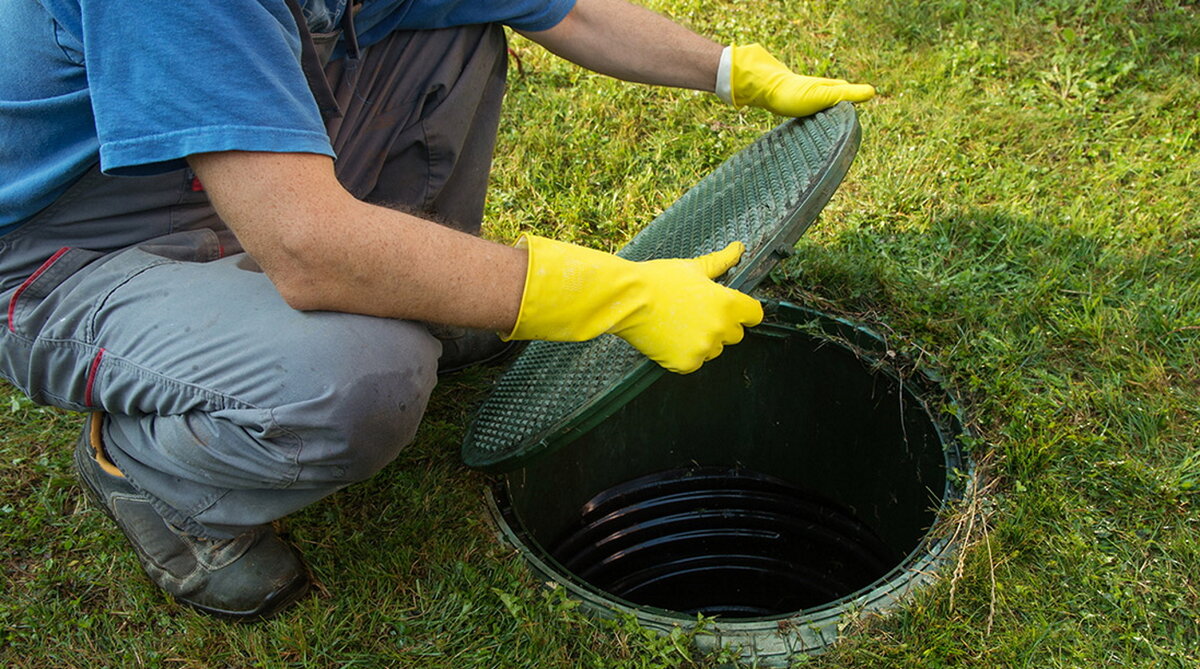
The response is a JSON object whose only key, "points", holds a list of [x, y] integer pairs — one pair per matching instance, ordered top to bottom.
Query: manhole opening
{"points": [[793, 473], [723, 542]]}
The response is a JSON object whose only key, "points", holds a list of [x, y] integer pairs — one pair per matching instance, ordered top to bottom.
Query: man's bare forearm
{"points": [[632, 43], [325, 250]]}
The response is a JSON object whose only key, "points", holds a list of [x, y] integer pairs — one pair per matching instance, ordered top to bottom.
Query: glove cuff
{"points": [[724, 86], [522, 243], [572, 293]]}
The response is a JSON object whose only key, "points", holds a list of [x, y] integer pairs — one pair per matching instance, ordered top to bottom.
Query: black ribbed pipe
{"points": [[721, 541]]}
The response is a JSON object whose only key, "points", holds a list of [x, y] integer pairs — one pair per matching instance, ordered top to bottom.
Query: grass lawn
{"points": [[1024, 214]]}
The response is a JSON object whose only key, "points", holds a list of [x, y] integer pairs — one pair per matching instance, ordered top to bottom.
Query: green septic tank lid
{"points": [[765, 196]]}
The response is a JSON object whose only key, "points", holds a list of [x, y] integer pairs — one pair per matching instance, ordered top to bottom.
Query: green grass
{"points": [[1023, 214]]}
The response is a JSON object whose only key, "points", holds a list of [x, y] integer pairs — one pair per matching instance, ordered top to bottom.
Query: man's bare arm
{"points": [[629, 42], [632, 43], [325, 250]]}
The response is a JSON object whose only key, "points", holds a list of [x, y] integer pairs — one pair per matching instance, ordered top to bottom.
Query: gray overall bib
{"points": [[129, 296]]}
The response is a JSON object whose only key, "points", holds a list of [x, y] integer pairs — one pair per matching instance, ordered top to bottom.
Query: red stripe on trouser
{"points": [[12, 303], [91, 379]]}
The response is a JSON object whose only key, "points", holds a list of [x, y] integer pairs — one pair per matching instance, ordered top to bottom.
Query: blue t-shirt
{"points": [[139, 87]]}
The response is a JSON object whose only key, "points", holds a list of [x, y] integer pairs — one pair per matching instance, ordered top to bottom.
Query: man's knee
{"points": [[365, 404], [370, 424]]}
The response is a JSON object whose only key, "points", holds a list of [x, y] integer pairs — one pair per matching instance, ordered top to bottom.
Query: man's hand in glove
{"points": [[748, 75], [671, 310]]}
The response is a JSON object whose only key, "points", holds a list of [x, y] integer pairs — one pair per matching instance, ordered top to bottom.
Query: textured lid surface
{"points": [[765, 196]]}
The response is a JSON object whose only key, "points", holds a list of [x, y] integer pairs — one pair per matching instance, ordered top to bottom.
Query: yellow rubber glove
{"points": [[757, 79], [671, 310]]}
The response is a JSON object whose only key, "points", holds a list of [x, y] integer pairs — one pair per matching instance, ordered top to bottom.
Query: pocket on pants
{"points": [[27, 310]]}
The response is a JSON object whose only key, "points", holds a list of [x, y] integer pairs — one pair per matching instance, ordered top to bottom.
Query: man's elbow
{"points": [[301, 275], [300, 291], [301, 296]]}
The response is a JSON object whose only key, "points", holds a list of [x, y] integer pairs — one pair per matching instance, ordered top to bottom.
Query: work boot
{"points": [[465, 347], [252, 576]]}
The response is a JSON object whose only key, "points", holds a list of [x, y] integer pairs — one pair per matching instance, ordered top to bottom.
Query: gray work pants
{"points": [[224, 405]]}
